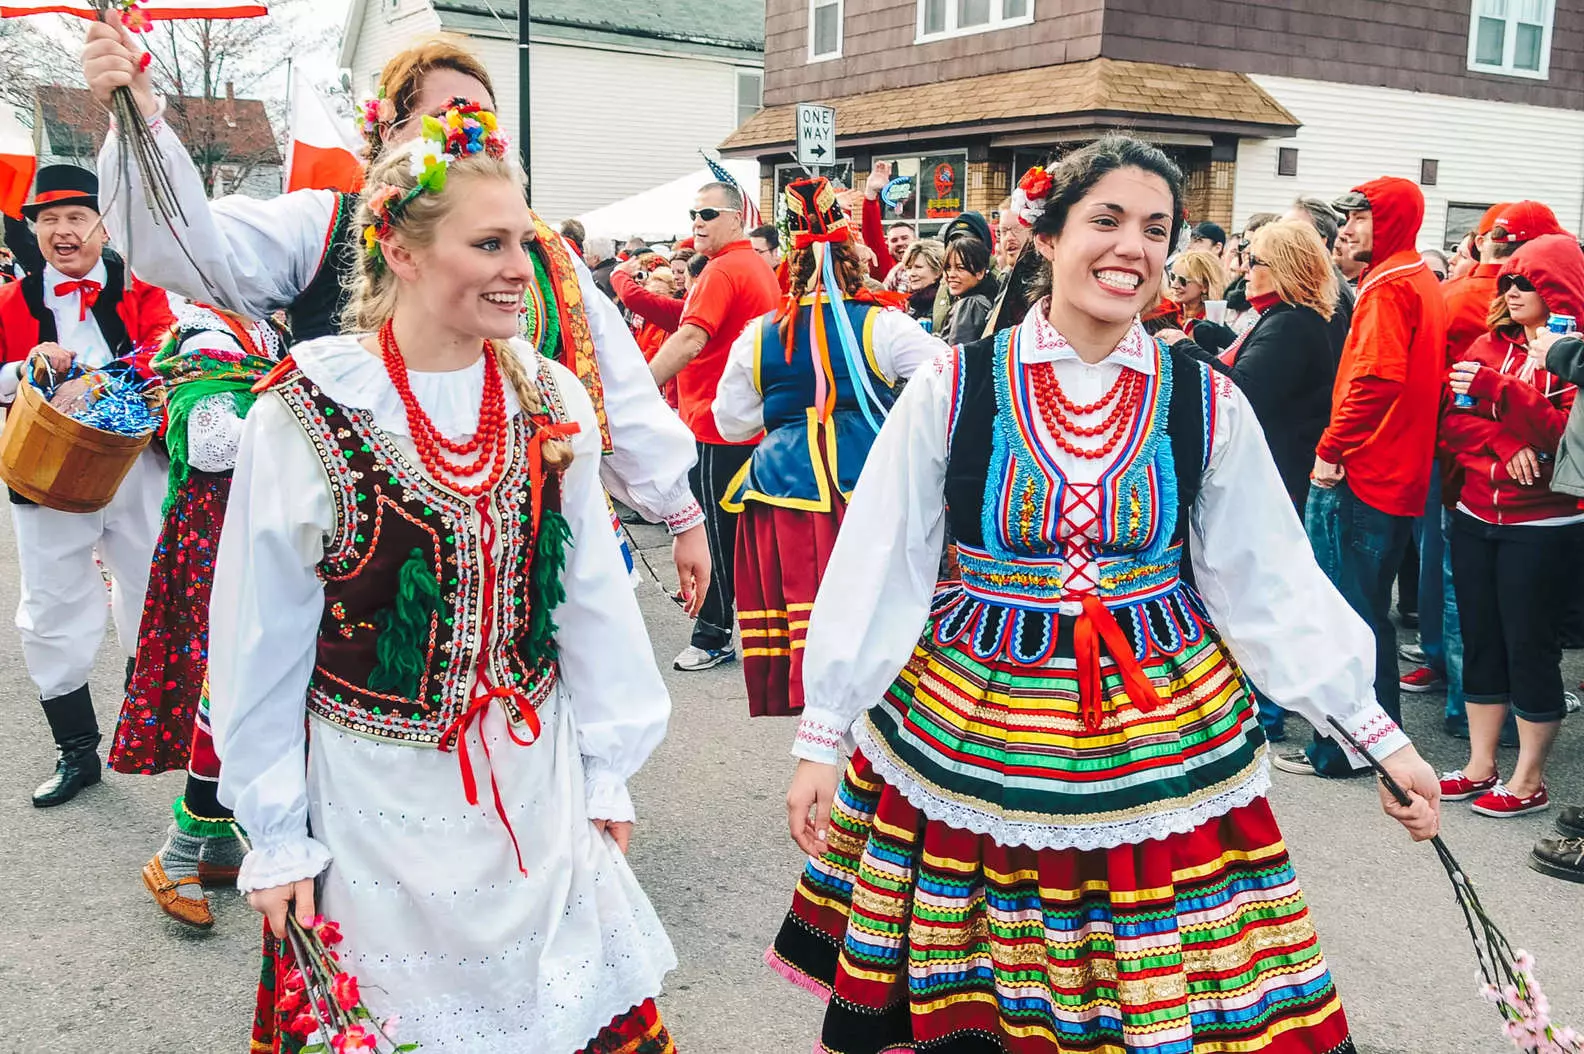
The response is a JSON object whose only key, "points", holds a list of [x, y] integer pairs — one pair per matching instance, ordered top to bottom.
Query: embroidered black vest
{"points": [[317, 310], [392, 523]]}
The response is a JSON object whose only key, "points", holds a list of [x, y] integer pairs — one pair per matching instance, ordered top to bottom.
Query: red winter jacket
{"points": [[1468, 302], [1384, 403], [1511, 413]]}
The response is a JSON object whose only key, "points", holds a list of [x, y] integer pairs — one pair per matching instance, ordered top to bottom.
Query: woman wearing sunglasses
{"points": [[1193, 278], [1284, 362], [1511, 534]]}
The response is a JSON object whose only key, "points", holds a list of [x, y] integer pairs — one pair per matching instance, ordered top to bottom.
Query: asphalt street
{"points": [[88, 964]]}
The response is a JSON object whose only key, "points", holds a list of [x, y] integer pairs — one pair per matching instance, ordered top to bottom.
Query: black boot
{"points": [[130, 669], [71, 719]]}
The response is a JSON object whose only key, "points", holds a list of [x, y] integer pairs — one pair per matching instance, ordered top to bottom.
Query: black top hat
{"points": [[63, 185]]}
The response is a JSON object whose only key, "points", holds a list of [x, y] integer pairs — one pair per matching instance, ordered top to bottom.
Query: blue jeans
{"points": [[1359, 548], [1432, 559], [1451, 631]]}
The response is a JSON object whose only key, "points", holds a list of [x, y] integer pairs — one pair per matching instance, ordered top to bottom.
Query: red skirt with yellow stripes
{"points": [[781, 557], [923, 937]]}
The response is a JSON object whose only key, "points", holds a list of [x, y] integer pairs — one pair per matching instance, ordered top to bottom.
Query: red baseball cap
{"points": [[1488, 220], [1524, 221]]}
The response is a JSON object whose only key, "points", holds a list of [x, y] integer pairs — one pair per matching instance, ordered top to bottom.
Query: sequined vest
{"points": [[793, 465], [1005, 495], [391, 522]]}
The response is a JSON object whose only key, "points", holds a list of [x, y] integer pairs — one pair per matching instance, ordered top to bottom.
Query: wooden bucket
{"points": [[59, 463]]}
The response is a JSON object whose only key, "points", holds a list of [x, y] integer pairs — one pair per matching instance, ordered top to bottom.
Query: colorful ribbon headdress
{"points": [[465, 129], [816, 221]]}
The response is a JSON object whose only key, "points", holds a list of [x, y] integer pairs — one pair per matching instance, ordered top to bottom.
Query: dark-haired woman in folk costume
{"points": [[817, 377], [1053, 835]]}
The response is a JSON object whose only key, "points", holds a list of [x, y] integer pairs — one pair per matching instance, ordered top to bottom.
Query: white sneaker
{"points": [[693, 659]]}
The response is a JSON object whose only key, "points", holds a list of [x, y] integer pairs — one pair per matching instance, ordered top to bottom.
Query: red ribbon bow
{"points": [[89, 290], [1096, 625]]}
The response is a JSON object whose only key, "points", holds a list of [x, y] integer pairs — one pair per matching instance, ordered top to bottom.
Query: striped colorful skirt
{"points": [[781, 557], [1030, 854], [923, 937]]}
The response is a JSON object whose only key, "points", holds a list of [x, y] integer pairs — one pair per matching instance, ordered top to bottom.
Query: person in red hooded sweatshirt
{"points": [[1372, 465], [1511, 534]]}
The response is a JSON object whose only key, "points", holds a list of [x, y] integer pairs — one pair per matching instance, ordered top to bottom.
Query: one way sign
{"points": [[816, 135]]}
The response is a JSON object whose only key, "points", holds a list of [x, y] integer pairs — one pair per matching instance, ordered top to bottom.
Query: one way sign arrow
{"points": [[816, 134]]}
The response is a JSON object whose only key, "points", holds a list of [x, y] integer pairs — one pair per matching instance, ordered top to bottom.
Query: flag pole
{"points": [[524, 94]]}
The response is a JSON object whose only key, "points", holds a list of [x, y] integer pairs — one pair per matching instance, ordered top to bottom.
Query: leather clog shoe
{"points": [[166, 894]]}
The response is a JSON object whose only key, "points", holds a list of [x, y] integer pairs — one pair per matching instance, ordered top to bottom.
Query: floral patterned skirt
{"points": [[155, 731], [924, 937]]}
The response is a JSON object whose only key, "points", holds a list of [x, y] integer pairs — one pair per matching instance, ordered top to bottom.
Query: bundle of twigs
{"points": [[137, 140], [1507, 974]]}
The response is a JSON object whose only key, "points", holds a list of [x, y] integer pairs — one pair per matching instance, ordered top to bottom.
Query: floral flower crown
{"points": [[375, 114], [464, 130], [1028, 200]]}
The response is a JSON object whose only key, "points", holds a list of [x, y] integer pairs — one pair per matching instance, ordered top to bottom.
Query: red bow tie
{"points": [[89, 290]]}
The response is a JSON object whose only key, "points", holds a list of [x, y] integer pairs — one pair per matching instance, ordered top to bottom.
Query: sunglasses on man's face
{"points": [[707, 215], [1515, 281]]}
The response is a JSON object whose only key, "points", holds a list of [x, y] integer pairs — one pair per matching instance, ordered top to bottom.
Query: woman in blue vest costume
{"points": [[819, 383]]}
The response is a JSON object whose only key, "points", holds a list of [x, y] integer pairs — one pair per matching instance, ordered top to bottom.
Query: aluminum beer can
{"points": [[1562, 324]]}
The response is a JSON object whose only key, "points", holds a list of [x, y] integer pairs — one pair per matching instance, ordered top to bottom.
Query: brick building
{"points": [[1258, 101]]}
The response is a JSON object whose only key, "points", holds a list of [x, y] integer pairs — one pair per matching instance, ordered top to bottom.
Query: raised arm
{"points": [[247, 255]]}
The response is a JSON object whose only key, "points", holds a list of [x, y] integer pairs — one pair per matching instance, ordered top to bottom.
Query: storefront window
{"points": [[938, 185]]}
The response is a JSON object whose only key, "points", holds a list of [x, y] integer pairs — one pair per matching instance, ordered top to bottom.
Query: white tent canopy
{"points": [[659, 214]]}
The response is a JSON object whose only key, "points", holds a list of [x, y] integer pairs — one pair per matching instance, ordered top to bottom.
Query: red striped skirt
{"points": [[781, 557], [921, 936]]}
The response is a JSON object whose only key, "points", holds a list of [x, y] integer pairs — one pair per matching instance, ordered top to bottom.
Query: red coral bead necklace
{"points": [[1054, 408], [435, 450]]}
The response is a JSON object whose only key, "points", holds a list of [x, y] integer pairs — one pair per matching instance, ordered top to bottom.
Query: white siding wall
{"points": [[386, 30], [608, 124], [1352, 134]]}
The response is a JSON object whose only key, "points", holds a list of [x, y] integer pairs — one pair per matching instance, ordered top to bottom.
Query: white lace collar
{"points": [[1039, 341]]}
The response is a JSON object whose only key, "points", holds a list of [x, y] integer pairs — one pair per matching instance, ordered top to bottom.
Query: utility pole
{"points": [[524, 92]]}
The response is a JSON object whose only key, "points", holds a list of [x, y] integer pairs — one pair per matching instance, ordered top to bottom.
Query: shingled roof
{"points": [[736, 25], [1105, 92], [238, 130]]}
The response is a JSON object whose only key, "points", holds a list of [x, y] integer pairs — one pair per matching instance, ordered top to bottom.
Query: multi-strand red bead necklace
{"points": [[1060, 413], [438, 453]]}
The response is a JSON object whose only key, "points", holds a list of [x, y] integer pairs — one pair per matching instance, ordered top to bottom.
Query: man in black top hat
{"points": [[80, 308]]}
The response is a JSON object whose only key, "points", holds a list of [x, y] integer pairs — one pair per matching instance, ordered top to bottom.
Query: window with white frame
{"points": [[938, 19], [825, 29], [1511, 37], [750, 94]]}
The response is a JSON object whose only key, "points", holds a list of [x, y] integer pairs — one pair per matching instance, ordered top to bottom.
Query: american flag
{"points": [[751, 217]]}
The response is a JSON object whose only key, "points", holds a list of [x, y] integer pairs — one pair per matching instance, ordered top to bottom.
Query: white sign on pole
{"points": [[816, 135]]}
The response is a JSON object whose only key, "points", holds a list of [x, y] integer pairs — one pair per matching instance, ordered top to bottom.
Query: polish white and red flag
{"points": [[153, 9], [324, 153], [17, 162]]}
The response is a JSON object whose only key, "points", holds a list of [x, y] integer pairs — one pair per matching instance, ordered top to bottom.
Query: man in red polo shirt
{"points": [[736, 287], [1372, 465]]}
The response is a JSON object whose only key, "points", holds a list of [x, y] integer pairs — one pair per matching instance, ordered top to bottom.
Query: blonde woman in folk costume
{"points": [[297, 252], [418, 556], [1054, 834]]}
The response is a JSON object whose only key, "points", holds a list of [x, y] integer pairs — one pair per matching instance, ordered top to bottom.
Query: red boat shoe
{"points": [[1420, 681], [1456, 787], [1502, 803]]}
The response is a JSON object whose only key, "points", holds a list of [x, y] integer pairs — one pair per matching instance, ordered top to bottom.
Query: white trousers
{"points": [[62, 613]]}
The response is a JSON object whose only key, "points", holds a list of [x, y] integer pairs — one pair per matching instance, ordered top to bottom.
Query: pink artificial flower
{"points": [[329, 932], [293, 981], [344, 990], [289, 1001], [303, 1025], [389, 1026], [353, 1039]]}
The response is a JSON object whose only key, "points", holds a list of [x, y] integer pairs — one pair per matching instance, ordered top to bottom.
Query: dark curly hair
{"points": [[1077, 173]]}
